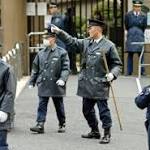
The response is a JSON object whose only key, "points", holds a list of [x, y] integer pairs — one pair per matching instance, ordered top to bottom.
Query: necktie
{"points": [[93, 45]]}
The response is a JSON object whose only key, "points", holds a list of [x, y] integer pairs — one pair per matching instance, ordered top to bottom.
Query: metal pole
{"points": [[140, 62], [138, 85], [113, 95]]}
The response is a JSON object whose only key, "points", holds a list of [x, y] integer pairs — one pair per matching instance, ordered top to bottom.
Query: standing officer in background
{"points": [[56, 19], [64, 22], [135, 24], [50, 72], [93, 81], [7, 96], [143, 101]]}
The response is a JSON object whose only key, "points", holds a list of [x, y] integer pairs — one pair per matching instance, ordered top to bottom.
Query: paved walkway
{"points": [[133, 136]]}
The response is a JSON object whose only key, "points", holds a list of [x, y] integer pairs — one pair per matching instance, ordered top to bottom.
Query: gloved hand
{"points": [[55, 29], [109, 77], [60, 82], [30, 86], [3, 116]]}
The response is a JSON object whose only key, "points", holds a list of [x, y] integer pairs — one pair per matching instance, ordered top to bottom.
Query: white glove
{"points": [[55, 29], [109, 77], [60, 82], [30, 87], [3, 116]]}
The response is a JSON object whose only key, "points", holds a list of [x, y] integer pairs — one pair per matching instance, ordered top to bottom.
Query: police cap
{"points": [[137, 2], [96, 22], [49, 34]]}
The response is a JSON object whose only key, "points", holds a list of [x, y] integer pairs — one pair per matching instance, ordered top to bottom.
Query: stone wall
{"points": [[14, 26]]}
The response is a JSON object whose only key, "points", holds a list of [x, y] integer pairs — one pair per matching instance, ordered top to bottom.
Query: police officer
{"points": [[57, 19], [135, 24], [50, 72], [93, 81], [7, 96], [143, 101]]}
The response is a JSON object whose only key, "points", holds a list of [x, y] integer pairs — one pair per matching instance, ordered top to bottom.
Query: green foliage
{"points": [[108, 12], [81, 26]]}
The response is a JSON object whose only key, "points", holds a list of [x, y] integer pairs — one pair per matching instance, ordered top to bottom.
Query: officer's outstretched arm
{"points": [[76, 44]]}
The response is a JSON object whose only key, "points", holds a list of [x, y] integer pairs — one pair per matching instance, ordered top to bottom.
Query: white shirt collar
{"points": [[136, 13], [98, 40]]}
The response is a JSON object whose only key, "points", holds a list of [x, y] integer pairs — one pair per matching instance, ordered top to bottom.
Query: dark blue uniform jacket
{"points": [[135, 25], [143, 100]]}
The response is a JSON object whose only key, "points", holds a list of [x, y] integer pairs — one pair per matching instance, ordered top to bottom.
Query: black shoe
{"points": [[39, 128], [61, 129], [91, 135], [106, 138]]}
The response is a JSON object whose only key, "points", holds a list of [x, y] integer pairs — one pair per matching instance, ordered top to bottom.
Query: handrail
{"points": [[32, 47], [140, 64]]}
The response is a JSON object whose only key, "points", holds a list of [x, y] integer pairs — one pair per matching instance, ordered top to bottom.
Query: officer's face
{"points": [[137, 8], [53, 10], [94, 31], [49, 41], [52, 41]]}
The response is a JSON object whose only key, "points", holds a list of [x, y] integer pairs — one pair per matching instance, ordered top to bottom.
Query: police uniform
{"points": [[58, 20], [135, 23], [50, 65], [92, 83], [8, 84], [143, 101]]}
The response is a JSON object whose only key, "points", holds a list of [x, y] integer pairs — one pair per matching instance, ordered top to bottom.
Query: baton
{"points": [[138, 85], [113, 95]]}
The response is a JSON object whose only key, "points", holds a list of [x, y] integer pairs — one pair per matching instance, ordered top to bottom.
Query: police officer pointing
{"points": [[50, 72], [93, 81]]}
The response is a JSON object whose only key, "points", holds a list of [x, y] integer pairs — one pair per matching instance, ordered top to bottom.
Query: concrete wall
{"points": [[147, 3], [14, 26]]}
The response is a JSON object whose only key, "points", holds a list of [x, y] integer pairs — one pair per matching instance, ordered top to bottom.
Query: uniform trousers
{"points": [[59, 106], [90, 116], [147, 125], [3, 140]]}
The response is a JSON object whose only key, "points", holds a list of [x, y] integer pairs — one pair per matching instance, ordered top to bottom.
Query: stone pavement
{"points": [[133, 136]]}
